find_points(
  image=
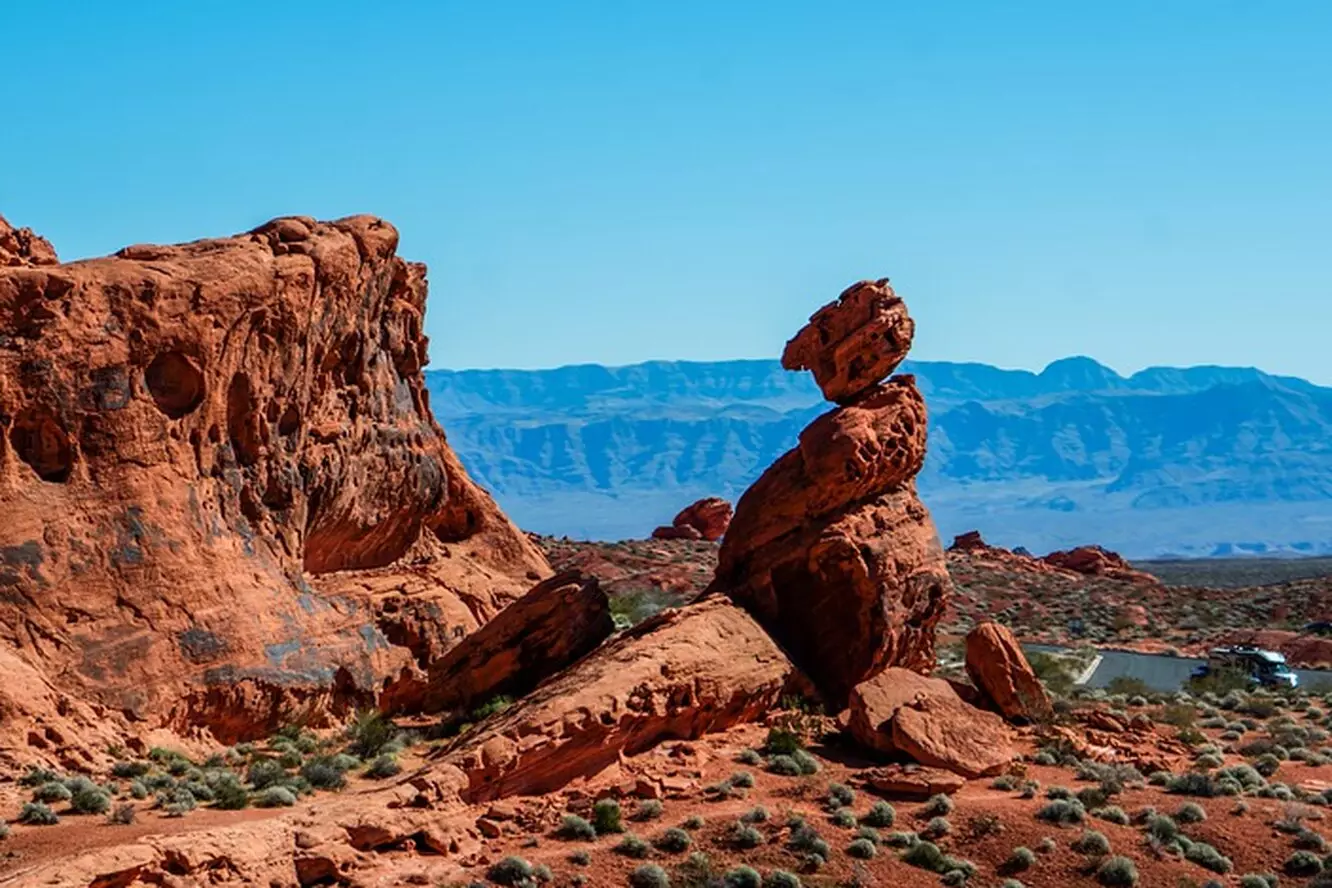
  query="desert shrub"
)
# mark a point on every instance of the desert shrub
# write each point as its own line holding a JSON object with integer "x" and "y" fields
{"x": 1258, "y": 880}
{"x": 37, "y": 814}
{"x": 647, "y": 809}
{"x": 805, "y": 838}
{"x": 841, "y": 794}
{"x": 1302, "y": 864}
{"x": 694, "y": 822}
{"x": 1011, "y": 883}
{"x": 130, "y": 770}
{"x": 1092, "y": 797}
{"x": 36, "y": 776}
{"x": 784, "y": 765}
{"x": 1020, "y": 859}
{"x": 90, "y": 800}
{"x": 263, "y": 773}
{"x": 1159, "y": 778}
{"x": 138, "y": 790}
{"x": 1004, "y": 782}
{"x": 937, "y": 828}
{"x": 384, "y": 766}
{"x": 743, "y": 877}
{"x": 923, "y": 855}
{"x": 1308, "y": 840}
{"x": 749, "y": 757}
{"x": 1195, "y": 784}
{"x": 1117, "y": 871}
{"x": 805, "y": 762}
{"x": 1044, "y": 758}
{"x": 1059, "y": 792}
{"x": 1209, "y": 760}
{"x": 573, "y": 827}
{"x": 674, "y": 840}
{"x": 229, "y": 794}
{"x": 649, "y": 875}
{"x": 512, "y": 871}
{"x": 781, "y": 879}
{"x": 122, "y": 815}
{"x": 1111, "y": 814}
{"x": 1162, "y": 828}
{"x": 178, "y": 802}
{"x": 862, "y": 849}
{"x": 632, "y": 846}
{"x": 1245, "y": 775}
{"x": 742, "y": 779}
{"x": 745, "y": 836}
{"x": 580, "y": 858}
{"x": 324, "y": 773}
{"x": 1190, "y": 812}
{"x": 1046, "y": 845}
{"x": 291, "y": 758}
{"x": 869, "y": 832}
{"x": 1062, "y": 812}
{"x": 52, "y": 792}
{"x": 369, "y": 734}
{"x": 936, "y": 806}
{"x": 1091, "y": 843}
{"x": 782, "y": 741}
{"x": 901, "y": 839}
{"x": 844, "y": 818}
{"x": 756, "y": 814}
{"x": 275, "y": 797}
{"x": 881, "y": 815}
{"x": 606, "y": 817}
{"x": 1208, "y": 857}
{"x": 1266, "y": 764}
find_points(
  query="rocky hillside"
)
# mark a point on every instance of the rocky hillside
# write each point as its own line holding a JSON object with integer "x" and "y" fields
{"x": 1192, "y": 461}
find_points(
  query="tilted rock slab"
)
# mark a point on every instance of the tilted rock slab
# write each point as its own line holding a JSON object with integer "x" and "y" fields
{"x": 998, "y": 667}
{"x": 681, "y": 674}
{"x": 831, "y": 549}
{"x": 555, "y": 623}
{"x": 226, "y": 501}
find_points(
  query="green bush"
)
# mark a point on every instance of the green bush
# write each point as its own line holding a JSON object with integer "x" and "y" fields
{"x": 1302, "y": 864}
{"x": 781, "y": 879}
{"x": 782, "y": 742}
{"x": 1208, "y": 857}
{"x": 742, "y": 779}
{"x": 1189, "y": 812}
{"x": 632, "y": 846}
{"x": 745, "y": 836}
{"x": 1091, "y": 843}
{"x": 121, "y": 815}
{"x": 743, "y": 877}
{"x": 1111, "y": 814}
{"x": 674, "y": 841}
{"x": 1117, "y": 871}
{"x": 1258, "y": 880}
{"x": 178, "y": 802}
{"x": 862, "y": 849}
{"x": 784, "y": 765}
{"x": 576, "y": 828}
{"x": 512, "y": 872}
{"x": 275, "y": 797}
{"x": 264, "y": 773}
{"x": 1020, "y": 859}
{"x": 1063, "y": 812}
{"x": 229, "y": 794}
{"x": 756, "y": 814}
{"x": 841, "y": 794}
{"x": 649, "y": 875}
{"x": 52, "y": 792}
{"x": 369, "y": 734}
{"x": 805, "y": 762}
{"x": 881, "y": 815}
{"x": 89, "y": 800}
{"x": 37, "y": 814}
{"x": 1162, "y": 828}
{"x": 694, "y": 822}
{"x": 749, "y": 757}
{"x": 36, "y": 776}
{"x": 924, "y": 855}
{"x": 383, "y": 767}
{"x": 129, "y": 770}
{"x": 936, "y": 806}
{"x": 938, "y": 827}
{"x": 647, "y": 809}
{"x": 606, "y": 817}
{"x": 844, "y": 818}
{"x": 324, "y": 773}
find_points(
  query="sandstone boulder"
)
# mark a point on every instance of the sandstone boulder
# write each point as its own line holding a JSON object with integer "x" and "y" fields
{"x": 683, "y": 673}
{"x": 554, "y": 624}
{"x": 1094, "y": 561}
{"x": 852, "y": 343}
{"x": 831, "y": 549}
{"x": 706, "y": 519}
{"x": 999, "y": 668}
{"x": 227, "y": 504}
{"x": 910, "y": 781}
{"x": 901, "y": 713}
{"x": 22, "y": 247}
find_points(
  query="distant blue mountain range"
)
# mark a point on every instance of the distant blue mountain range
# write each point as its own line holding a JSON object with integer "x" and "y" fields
{"x": 1194, "y": 461}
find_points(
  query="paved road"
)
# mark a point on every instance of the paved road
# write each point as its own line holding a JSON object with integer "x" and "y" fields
{"x": 1162, "y": 673}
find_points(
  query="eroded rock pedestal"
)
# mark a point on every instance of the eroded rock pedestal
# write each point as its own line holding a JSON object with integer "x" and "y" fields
{"x": 831, "y": 549}
{"x": 226, "y": 501}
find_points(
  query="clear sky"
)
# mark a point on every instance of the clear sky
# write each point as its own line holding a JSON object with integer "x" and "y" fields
{"x": 1143, "y": 181}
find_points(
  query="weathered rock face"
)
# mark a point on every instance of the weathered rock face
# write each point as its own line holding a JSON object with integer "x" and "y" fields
{"x": 227, "y": 503}
{"x": 1094, "y": 561}
{"x": 554, "y": 624}
{"x": 681, "y": 674}
{"x": 706, "y": 519}
{"x": 831, "y": 549}
{"x": 1000, "y": 670}
{"x": 901, "y": 713}
{"x": 22, "y": 247}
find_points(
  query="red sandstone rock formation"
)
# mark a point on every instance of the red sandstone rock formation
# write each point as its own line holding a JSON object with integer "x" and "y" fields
{"x": 912, "y": 781}
{"x": 901, "y": 713}
{"x": 1094, "y": 561}
{"x": 226, "y": 501}
{"x": 1000, "y": 670}
{"x": 706, "y": 519}
{"x": 554, "y": 624}
{"x": 21, "y": 247}
{"x": 685, "y": 672}
{"x": 831, "y": 549}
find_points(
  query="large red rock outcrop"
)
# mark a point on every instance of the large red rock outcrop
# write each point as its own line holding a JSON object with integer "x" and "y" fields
{"x": 683, "y": 673}
{"x": 23, "y": 247}
{"x": 901, "y": 713}
{"x": 706, "y": 519}
{"x": 226, "y": 501}
{"x": 831, "y": 549}
{"x": 999, "y": 668}
{"x": 554, "y": 624}
{"x": 1094, "y": 561}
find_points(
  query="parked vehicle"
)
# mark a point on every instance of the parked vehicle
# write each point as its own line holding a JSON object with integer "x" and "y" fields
{"x": 1319, "y": 627}
{"x": 1262, "y": 667}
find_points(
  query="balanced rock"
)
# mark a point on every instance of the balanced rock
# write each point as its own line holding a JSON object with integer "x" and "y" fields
{"x": 678, "y": 675}
{"x": 555, "y": 623}
{"x": 227, "y": 504}
{"x": 831, "y": 549}
{"x": 706, "y": 519}
{"x": 999, "y": 668}
{"x": 902, "y": 713}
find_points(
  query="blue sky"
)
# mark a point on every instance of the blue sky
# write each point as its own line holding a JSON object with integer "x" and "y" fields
{"x": 1143, "y": 182}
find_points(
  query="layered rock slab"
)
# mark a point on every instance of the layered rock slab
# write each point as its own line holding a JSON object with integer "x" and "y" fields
{"x": 902, "y": 713}
{"x": 555, "y": 623}
{"x": 998, "y": 667}
{"x": 831, "y": 549}
{"x": 227, "y": 502}
{"x": 683, "y": 673}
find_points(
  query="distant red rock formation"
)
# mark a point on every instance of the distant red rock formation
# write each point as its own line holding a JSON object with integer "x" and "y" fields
{"x": 1094, "y": 561}
{"x": 831, "y": 549}
{"x": 705, "y": 519}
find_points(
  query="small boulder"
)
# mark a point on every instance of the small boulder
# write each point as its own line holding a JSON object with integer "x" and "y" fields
{"x": 1000, "y": 670}
{"x": 912, "y": 781}
{"x": 901, "y": 713}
